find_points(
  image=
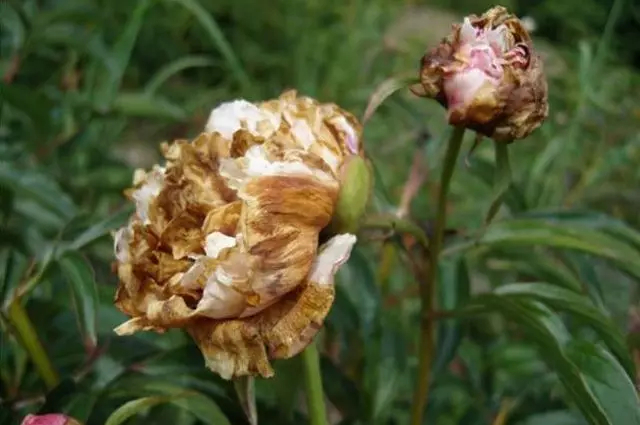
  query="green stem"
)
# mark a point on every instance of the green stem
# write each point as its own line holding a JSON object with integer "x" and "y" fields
{"x": 428, "y": 288}
{"x": 29, "y": 339}
{"x": 313, "y": 386}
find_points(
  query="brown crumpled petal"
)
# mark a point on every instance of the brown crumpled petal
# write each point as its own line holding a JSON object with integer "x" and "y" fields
{"x": 488, "y": 76}
{"x": 224, "y": 241}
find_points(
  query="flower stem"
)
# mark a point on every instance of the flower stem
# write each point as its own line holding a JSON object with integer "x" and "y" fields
{"x": 428, "y": 294}
{"x": 29, "y": 338}
{"x": 313, "y": 386}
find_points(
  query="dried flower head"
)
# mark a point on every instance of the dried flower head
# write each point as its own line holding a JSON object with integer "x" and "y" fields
{"x": 488, "y": 76}
{"x": 224, "y": 240}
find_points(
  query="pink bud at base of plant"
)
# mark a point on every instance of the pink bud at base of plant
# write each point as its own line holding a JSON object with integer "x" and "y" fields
{"x": 49, "y": 419}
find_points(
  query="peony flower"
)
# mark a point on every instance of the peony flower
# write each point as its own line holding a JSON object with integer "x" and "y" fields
{"x": 488, "y": 76}
{"x": 50, "y": 419}
{"x": 225, "y": 238}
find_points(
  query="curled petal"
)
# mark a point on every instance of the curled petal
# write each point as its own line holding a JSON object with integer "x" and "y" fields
{"x": 235, "y": 348}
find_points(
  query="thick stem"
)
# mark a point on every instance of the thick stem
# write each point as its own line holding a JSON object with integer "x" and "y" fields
{"x": 29, "y": 339}
{"x": 313, "y": 386}
{"x": 428, "y": 288}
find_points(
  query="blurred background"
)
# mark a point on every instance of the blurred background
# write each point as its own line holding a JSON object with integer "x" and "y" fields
{"x": 89, "y": 90}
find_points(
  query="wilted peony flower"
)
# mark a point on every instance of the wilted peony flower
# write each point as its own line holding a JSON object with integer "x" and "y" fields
{"x": 50, "y": 419}
{"x": 224, "y": 240}
{"x": 488, "y": 76}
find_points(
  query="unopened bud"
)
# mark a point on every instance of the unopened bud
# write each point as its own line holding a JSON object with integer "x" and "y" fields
{"x": 355, "y": 189}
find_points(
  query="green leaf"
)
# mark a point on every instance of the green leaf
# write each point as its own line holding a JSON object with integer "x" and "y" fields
{"x": 546, "y": 330}
{"x": 108, "y": 84}
{"x": 608, "y": 381}
{"x": 101, "y": 229}
{"x": 217, "y": 38}
{"x": 143, "y": 105}
{"x": 40, "y": 188}
{"x": 579, "y": 306}
{"x": 173, "y": 68}
{"x": 526, "y": 232}
{"x": 198, "y": 404}
{"x": 203, "y": 408}
{"x": 532, "y": 263}
{"x": 386, "y": 89}
{"x": 453, "y": 291}
{"x": 79, "y": 276}
{"x": 134, "y": 407}
{"x": 502, "y": 179}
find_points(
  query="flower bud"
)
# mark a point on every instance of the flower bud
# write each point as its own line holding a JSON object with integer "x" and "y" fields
{"x": 225, "y": 238}
{"x": 50, "y": 419}
{"x": 488, "y": 76}
{"x": 355, "y": 188}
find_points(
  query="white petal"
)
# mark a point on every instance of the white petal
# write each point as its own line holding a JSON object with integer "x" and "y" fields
{"x": 219, "y": 299}
{"x": 352, "y": 141}
{"x": 216, "y": 242}
{"x": 148, "y": 191}
{"x": 333, "y": 254}
{"x": 255, "y": 163}
{"x": 229, "y": 117}
{"x": 121, "y": 244}
{"x": 467, "y": 32}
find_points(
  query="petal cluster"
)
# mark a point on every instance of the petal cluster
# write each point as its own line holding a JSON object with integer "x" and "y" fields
{"x": 488, "y": 76}
{"x": 225, "y": 238}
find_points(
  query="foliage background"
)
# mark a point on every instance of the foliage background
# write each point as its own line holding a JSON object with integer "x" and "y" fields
{"x": 90, "y": 88}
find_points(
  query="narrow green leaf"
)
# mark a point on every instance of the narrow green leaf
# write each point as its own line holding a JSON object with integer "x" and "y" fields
{"x": 173, "y": 68}
{"x": 134, "y": 407}
{"x": 202, "y": 407}
{"x": 584, "y": 268}
{"x": 79, "y": 276}
{"x": 546, "y": 330}
{"x": 108, "y": 84}
{"x": 142, "y": 105}
{"x": 502, "y": 179}
{"x": 101, "y": 229}
{"x": 526, "y": 232}
{"x": 580, "y": 306}
{"x": 38, "y": 187}
{"x": 608, "y": 381}
{"x": 386, "y": 89}
{"x": 535, "y": 264}
{"x": 217, "y": 38}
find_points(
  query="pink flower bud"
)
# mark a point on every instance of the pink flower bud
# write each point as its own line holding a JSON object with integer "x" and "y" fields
{"x": 49, "y": 419}
{"x": 488, "y": 76}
